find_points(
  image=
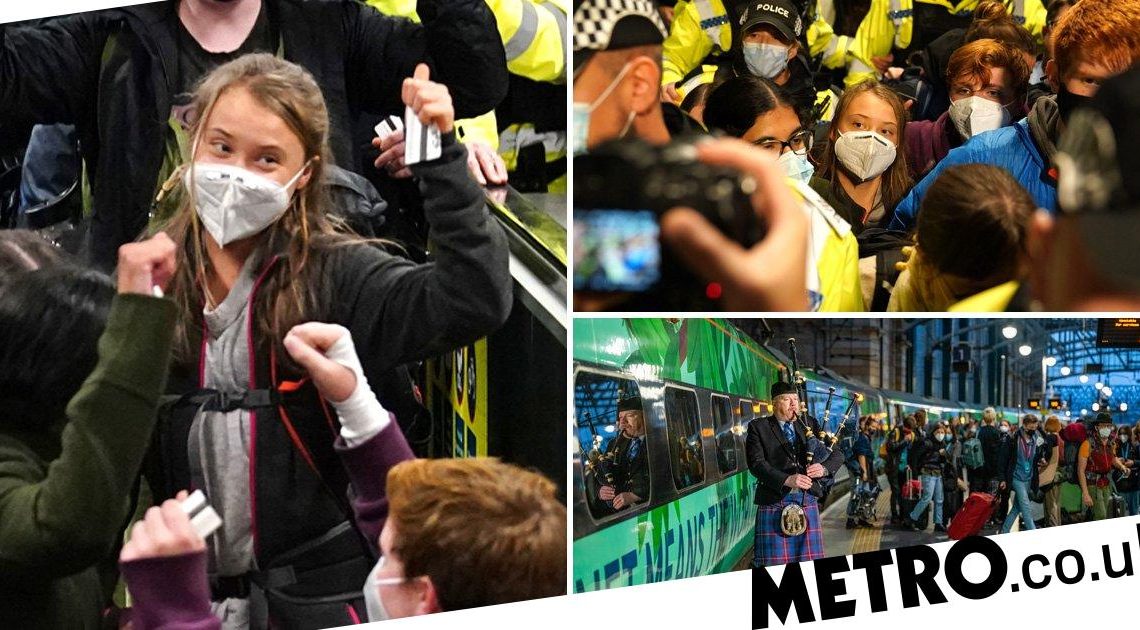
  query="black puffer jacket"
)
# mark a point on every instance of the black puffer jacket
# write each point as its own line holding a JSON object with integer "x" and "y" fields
{"x": 109, "y": 73}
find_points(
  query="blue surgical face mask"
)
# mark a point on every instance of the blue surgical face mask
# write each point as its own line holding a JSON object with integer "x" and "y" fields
{"x": 582, "y": 113}
{"x": 765, "y": 60}
{"x": 797, "y": 167}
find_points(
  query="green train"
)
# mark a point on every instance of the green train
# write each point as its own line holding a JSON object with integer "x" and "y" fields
{"x": 700, "y": 382}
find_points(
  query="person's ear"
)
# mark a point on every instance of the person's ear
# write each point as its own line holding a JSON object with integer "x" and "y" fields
{"x": 1052, "y": 75}
{"x": 644, "y": 83}
{"x": 793, "y": 51}
{"x": 428, "y": 599}
{"x": 307, "y": 175}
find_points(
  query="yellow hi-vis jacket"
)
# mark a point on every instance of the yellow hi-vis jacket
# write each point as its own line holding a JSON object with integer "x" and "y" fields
{"x": 833, "y": 256}
{"x": 889, "y": 24}
{"x": 701, "y": 27}
{"x": 534, "y": 35}
{"x": 992, "y": 300}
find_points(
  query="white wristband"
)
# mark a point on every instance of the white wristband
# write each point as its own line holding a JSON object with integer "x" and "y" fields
{"x": 361, "y": 416}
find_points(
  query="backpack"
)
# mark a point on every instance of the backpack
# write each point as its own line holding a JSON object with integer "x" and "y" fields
{"x": 1067, "y": 466}
{"x": 972, "y": 454}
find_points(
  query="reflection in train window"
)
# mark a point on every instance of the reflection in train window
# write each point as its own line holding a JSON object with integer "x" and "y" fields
{"x": 726, "y": 431}
{"x": 684, "y": 435}
{"x": 749, "y": 410}
{"x": 610, "y": 427}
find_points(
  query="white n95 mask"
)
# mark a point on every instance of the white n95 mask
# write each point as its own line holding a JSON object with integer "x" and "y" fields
{"x": 866, "y": 154}
{"x": 974, "y": 114}
{"x": 234, "y": 203}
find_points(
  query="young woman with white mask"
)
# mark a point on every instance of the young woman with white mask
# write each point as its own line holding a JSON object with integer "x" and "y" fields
{"x": 276, "y": 454}
{"x": 862, "y": 174}
{"x": 987, "y": 82}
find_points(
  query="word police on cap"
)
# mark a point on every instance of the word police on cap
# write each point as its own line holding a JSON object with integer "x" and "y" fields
{"x": 773, "y": 9}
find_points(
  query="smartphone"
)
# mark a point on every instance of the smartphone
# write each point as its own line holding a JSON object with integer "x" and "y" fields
{"x": 616, "y": 250}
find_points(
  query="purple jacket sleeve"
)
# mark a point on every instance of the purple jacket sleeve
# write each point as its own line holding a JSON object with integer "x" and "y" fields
{"x": 170, "y": 593}
{"x": 368, "y": 464}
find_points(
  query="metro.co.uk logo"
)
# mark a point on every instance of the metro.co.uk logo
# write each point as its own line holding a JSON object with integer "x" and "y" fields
{"x": 976, "y": 568}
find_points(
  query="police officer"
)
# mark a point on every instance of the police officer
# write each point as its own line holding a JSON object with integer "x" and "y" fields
{"x": 630, "y": 469}
{"x": 769, "y": 46}
{"x": 704, "y": 30}
{"x": 788, "y": 490}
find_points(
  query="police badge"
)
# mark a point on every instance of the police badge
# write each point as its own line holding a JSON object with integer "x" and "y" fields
{"x": 793, "y": 520}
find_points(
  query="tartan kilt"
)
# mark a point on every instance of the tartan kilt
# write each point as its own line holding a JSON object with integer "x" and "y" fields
{"x": 773, "y": 547}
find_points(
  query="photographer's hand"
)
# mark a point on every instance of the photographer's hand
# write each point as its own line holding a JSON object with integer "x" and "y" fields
{"x": 771, "y": 276}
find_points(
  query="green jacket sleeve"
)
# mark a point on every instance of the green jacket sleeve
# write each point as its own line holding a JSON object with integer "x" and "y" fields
{"x": 57, "y": 523}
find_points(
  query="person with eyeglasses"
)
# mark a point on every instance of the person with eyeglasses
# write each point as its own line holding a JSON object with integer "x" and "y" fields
{"x": 761, "y": 112}
{"x": 987, "y": 81}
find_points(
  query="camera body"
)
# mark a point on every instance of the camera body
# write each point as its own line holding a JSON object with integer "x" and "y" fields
{"x": 621, "y": 189}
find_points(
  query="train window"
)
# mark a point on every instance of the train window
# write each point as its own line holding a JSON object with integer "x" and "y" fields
{"x": 610, "y": 427}
{"x": 727, "y": 428}
{"x": 683, "y": 433}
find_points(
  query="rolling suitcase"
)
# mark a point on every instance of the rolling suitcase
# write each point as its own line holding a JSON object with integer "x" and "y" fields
{"x": 977, "y": 509}
{"x": 911, "y": 494}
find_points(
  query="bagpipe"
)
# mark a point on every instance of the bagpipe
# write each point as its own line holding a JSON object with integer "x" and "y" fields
{"x": 820, "y": 447}
{"x": 598, "y": 463}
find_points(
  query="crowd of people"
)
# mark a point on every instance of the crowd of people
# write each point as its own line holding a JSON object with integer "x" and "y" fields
{"x": 932, "y": 158}
{"x": 1079, "y": 471}
{"x": 252, "y": 317}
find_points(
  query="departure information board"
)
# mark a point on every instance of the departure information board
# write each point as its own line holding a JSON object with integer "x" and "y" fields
{"x": 1122, "y": 332}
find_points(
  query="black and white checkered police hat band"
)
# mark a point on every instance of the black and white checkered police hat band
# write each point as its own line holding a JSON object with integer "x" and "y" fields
{"x": 594, "y": 21}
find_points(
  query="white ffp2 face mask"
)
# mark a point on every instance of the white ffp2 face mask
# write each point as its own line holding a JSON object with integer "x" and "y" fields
{"x": 865, "y": 154}
{"x": 974, "y": 114}
{"x": 234, "y": 203}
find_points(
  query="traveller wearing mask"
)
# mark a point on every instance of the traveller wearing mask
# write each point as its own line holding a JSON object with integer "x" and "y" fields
{"x": 898, "y": 441}
{"x": 862, "y": 174}
{"x": 259, "y": 255}
{"x": 760, "y": 112}
{"x": 1026, "y": 451}
{"x": 1095, "y": 40}
{"x": 990, "y": 438}
{"x": 1096, "y": 460}
{"x": 987, "y": 81}
{"x": 513, "y": 517}
{"x": 1128, "y": 452}
{"x": 977, "y": 199}
{"x": 929, "y": 458}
